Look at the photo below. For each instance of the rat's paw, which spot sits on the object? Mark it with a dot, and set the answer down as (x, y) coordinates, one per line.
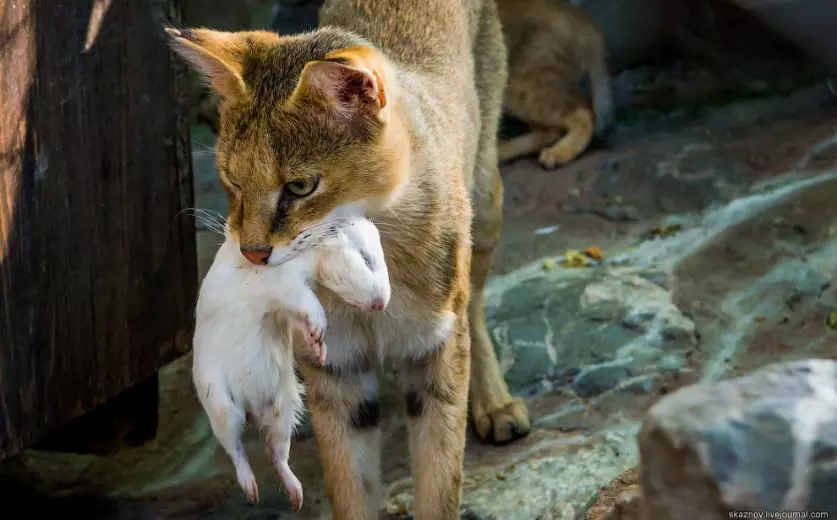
(248, 484)
(292, 486)
(320, 350)
(315, 327)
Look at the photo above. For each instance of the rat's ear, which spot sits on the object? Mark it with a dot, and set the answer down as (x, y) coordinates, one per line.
(218, 56)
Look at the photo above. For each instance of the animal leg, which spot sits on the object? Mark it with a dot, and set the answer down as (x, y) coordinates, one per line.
(227, 423)
(345, 411)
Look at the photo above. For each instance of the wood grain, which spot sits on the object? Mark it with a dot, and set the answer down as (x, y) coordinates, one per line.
(98, 273)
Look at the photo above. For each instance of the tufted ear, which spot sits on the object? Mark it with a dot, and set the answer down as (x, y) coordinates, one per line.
(349, 83)
(218, 56)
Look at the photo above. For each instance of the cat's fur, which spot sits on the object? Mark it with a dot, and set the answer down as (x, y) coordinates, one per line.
(553, 45)
(243, 351)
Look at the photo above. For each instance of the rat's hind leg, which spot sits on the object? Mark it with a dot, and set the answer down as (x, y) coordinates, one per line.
(278, 424)
(227, 423)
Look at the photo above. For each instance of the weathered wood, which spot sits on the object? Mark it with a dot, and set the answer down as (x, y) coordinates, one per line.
(98, 273)
(129, 419)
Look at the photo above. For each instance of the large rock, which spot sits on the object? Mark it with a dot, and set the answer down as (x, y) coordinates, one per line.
(764, 442)
(599, 329)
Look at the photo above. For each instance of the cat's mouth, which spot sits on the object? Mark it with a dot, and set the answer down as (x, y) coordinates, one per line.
(307, 240)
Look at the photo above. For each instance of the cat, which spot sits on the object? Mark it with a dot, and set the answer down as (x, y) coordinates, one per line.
(390, 110)
(553, 45)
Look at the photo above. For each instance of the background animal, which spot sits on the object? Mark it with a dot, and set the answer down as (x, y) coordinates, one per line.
(552, 46)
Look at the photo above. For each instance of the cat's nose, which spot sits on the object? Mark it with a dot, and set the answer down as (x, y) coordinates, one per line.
(258, 255)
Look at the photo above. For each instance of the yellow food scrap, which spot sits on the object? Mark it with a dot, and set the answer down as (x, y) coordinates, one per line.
(548, 264)
(831, 321)
(501, 476)
(594, 252)
(574, 258)
(666, 231)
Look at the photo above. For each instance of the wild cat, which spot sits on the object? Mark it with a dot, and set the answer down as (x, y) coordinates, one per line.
(243, 350)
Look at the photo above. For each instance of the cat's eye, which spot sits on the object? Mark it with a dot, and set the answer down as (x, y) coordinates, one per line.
(303, 188)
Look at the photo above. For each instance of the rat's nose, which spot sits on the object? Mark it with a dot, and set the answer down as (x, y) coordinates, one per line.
(258, 255)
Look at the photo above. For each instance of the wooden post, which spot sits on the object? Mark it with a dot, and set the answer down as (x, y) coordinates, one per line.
(98, 270)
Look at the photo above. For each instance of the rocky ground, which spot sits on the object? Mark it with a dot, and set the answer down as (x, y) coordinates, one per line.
(698, 243)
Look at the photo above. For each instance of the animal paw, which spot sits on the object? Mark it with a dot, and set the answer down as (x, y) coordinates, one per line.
(292, 486)
(501, 423)
(556, 156)
(315, 327)
(315, 336)
(320, 350)
(248, 484)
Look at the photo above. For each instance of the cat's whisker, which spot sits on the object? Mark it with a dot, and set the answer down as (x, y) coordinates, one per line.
(206, 146)
(210, 219)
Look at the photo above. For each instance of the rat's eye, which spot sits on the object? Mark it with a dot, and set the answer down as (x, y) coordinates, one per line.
(303, 188)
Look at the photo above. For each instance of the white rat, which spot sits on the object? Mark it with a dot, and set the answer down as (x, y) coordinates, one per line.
(243, 354)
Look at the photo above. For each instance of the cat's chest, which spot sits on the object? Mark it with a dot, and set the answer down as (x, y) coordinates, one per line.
(406, 330)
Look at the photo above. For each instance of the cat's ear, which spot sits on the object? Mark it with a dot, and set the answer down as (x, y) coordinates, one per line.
(218, 56)
(350, 83)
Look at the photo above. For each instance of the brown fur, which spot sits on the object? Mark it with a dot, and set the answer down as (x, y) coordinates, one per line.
(387, 112)
(552, 45)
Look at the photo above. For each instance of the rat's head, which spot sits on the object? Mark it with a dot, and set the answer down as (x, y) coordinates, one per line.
(307, 133)
(353, 266)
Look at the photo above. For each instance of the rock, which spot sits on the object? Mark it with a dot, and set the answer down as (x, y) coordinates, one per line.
(767, 441)
(631, 28)
(621, 499)
(593, 328)
(549, 481)
(628, 507)
(596, 381)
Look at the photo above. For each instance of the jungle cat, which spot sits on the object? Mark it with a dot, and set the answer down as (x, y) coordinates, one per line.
(389, 109)
(553, 45)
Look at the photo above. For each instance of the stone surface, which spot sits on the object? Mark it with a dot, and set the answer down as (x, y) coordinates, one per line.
(621, 499)
(603, 328)
(766, 441)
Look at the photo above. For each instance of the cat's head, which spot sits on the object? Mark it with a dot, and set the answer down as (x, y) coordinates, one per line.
(307, 130)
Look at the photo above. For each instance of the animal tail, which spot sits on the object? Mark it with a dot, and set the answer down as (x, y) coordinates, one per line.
(600, 88)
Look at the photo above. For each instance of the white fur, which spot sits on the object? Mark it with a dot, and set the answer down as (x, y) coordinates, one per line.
(243, 354)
